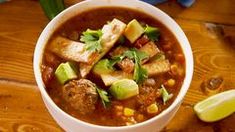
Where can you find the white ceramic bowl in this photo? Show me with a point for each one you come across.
(70, 123)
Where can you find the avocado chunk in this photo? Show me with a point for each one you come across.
(65, 72)
(103, 67)
(124, 89)
(133, 30)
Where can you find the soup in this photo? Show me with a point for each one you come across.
(113, 67)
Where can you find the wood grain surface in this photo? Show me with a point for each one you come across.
(208, 24)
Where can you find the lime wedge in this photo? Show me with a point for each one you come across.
(216, 107)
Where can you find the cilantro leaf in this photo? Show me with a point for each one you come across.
(153, 33)
(92, 39)
(104, 97)
(116, 59)
(140, 74)
(93, 46)
(140, 54)
(165, 95)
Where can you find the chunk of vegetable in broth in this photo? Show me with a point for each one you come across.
(124, 89)
(103, 67)
(133, 30)
(128, 112)
(152, 109)
(65, 72)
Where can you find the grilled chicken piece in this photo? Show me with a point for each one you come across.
(157, 67)
(81, 95)
(111, 34)
(71, 50)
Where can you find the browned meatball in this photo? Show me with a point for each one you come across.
(81, 95)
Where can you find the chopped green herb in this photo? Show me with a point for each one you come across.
(153, 33)
(165, 95)
(116, 59)
(140, 74)
(104, 97)
(130, 54)
(92, 39)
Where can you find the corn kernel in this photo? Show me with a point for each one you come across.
(170, 82)
(152, 109)
(128, 112)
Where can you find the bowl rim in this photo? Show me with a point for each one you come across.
(41, 43)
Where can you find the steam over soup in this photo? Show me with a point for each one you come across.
(113, 67)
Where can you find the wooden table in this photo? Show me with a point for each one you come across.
(208, 24)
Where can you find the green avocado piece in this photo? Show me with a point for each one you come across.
(103, 67)
(133, 30)
(124, 89)
(65, 72)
